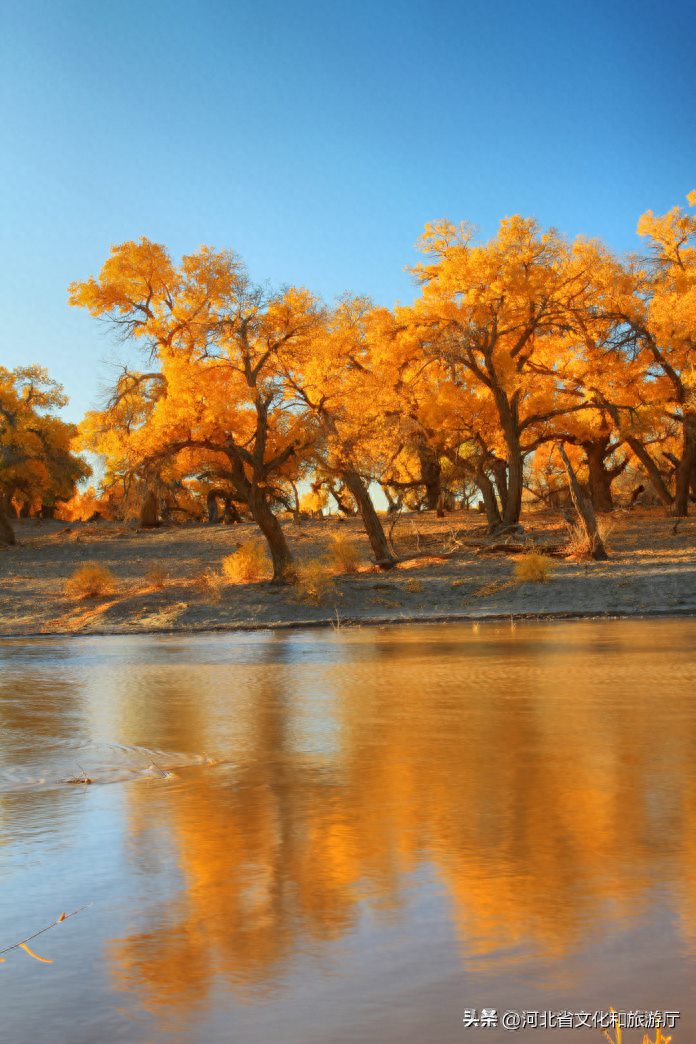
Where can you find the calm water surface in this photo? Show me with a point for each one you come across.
(348, 836)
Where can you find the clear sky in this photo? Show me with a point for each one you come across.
(317, 139)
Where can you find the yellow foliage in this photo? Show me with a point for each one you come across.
(37, 467)
(91, 580)
(533, 568)
(248, 564)
(313, 581)
(578, 544)
(209, 582)
(343, 553)
(314, 501)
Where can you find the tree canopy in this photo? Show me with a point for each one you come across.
(510, 348)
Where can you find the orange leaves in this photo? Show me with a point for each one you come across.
(36, 462)
(511, 342)
(43, 960)
(134, 281)
(217, 402)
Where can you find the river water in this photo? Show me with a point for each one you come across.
(350, 835)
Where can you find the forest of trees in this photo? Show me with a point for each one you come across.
(525, 363)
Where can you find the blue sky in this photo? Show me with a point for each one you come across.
(317, 139)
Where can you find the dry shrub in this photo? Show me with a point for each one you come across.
(313, 581)
(156, 575)
(209, 583)
(577, 544)
(344, 555)
(248, 564)
(533, 568)
(414, 586)
(91, 580)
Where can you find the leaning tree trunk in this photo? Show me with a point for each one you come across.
(653, 472)
(341, 503)
(686, 466)
(149, 511)
(584, 508)
(373, 527)
(7, 535)
(273, 532)
(490, 504)
(600, 477)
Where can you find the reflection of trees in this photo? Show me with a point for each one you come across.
(40, 715)
(548, 808)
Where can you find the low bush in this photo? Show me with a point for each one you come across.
(533, 568)
(343, 554)
(578, 546)
(249, 564)
(313, 581)
(209, 582)
(91, 580)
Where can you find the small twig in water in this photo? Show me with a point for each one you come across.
(22, 944)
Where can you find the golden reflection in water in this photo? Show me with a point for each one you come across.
(549, 788)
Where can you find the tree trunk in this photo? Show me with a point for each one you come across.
(600, 478)
(513, 508)
(211, 505)
(500, 477)
(653, 472)
(346, 509)
(509, 422)
(149, 511)
(273, 532)
(686, 466)
(584, 508)
(490, 504)
(431, 476)
(231, 514)
(7, 535)
(373, 526)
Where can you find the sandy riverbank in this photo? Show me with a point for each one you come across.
(651, 570)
